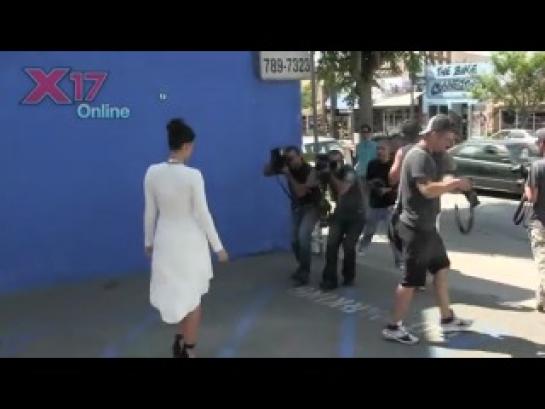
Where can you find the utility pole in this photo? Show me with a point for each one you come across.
(313, 85)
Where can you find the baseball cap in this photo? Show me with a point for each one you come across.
(411, 129)
(438, 123)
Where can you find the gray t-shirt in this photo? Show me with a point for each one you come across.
(536, 179)
(444, 161)
(418, 211)
(445, 164)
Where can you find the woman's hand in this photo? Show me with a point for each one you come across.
(223, 257)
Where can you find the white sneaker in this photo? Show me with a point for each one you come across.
(457, 325)
(400, 335)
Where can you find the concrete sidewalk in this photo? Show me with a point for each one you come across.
(252, 311)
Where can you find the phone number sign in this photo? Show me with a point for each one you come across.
(284, 65)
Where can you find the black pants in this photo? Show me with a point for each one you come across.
(343, 230)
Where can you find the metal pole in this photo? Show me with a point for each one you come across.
(313, 85)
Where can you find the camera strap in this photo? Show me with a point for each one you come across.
(464, 228)
(521, 212)
(284, 188)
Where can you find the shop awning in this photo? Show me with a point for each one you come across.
(401, 100)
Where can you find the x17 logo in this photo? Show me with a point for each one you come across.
(47, 84)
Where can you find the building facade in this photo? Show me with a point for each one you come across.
(79, 130)
(448, 89)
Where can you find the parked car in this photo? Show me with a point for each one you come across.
(325, 144)
(495, 165)
(514, 134)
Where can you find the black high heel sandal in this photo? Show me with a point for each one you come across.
(187, 347)
(177, 350)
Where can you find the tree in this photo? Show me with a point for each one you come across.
(330, 72)
(355, 72)
(306, 95)
(517, 81)
(413, 64)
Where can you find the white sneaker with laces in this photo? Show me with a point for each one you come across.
(400, 335)
(457, 325)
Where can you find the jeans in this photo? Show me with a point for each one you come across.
(304, 220)
(374, 217)
(365, 190)
(346, 231)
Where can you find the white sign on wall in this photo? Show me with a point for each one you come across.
(453, 80)
(284, 65)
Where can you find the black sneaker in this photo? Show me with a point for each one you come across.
(295, 274)
(300, 281)
(348, 282)
(300, 277)
(328, 286)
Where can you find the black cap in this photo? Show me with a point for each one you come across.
(411, 129)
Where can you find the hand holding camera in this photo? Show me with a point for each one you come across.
(464, 184)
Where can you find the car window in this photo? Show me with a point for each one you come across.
(468, 151)
(517, 134)
(322, 147)
(501, 134)
(495, 153)
(523, 152)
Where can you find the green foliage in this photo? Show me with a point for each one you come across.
(343, 71)
(306, 96)
(517, 81)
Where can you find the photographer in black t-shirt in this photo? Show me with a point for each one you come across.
(305, 198)
(382, 197)
(346, 222)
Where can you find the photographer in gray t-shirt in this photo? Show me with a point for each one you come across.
(421, 185)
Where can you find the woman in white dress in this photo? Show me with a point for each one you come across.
(178, 229)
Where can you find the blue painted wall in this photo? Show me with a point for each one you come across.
(72, 202)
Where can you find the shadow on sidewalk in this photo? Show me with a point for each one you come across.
(515, 347)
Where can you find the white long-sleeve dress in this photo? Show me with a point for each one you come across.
(178, 224)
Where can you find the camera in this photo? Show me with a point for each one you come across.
(323, 164)
(278, 160)
(522, 169)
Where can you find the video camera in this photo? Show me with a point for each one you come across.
(521, 212)
(522, 169)
(324, 165)
(278, 160)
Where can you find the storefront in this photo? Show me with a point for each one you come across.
(448, 89)
(391, 112)
(79, 130)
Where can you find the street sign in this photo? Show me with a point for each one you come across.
(285, 65)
